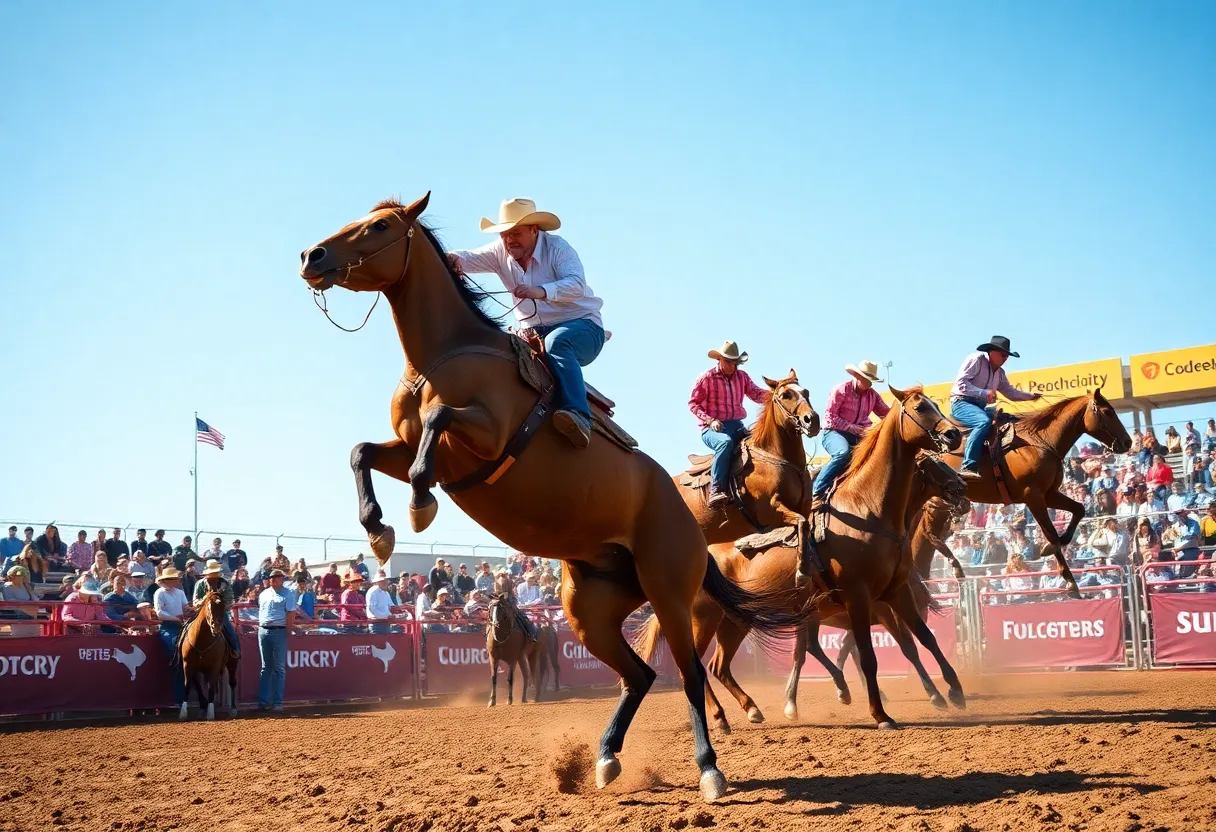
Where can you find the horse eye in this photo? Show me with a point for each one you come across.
(380, 225)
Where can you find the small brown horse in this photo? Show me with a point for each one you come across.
(864, 549)
(777, 482)
(463, 408)
(507, 642)
(1034, 465)
(205, 655)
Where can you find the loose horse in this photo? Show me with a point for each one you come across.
(465, 416)
(506, 642)
(776, 480)
(205, 655)
(1033, 466)
(863, 553)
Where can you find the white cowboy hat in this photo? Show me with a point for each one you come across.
(379, 576)
(213, 568)
(864, 369)
(729, 352)
(519, 211)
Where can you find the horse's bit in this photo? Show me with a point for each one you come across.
(354, 264)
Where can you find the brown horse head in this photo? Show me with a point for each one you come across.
(790, 405)
(502, 618)
(370, 254)
(942, 483)
(921, 423)
(213, 612)
(1103, 424)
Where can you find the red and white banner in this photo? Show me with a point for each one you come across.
(1184, 627)
(458, 662)
(580, 668)
(340, 666)
(891, 661)
(1064, 633)
(83, 673)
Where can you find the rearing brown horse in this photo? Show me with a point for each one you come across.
(776, 479)
(614, 517)
(1034, 464)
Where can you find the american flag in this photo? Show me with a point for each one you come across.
(208, 434)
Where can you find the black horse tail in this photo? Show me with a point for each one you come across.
(763, 610)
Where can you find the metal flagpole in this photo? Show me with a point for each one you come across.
(194, 473)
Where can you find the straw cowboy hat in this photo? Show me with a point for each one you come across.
(864, 369)
(518, 211)
(168, 574)
(379, 576)
(352, 577)
(999, 343)
(729, 352)
(213, 568)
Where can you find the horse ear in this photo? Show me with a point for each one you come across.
(793, 376)
(1098, 397)
(897, 393)
(414, 211)
(773, 385)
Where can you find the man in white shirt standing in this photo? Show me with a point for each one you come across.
(171, 607)
(379, 605)
(554, 301)
(528, 594)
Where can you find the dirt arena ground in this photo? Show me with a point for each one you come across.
(1077, 751)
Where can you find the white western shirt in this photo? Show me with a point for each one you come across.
(379, 603)
(169, 604)
(554, 267)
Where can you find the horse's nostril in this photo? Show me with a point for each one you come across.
(314, 255)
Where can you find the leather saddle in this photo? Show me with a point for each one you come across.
(699, 476)
(999, 440)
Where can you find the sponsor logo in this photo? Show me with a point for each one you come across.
(463, 655)
(131, 660)
(1150, 369)
(580, 656)
(1019, 631)
(312, 658)
(1186, 368)
(32, 665)
(385, 654)
(879, 638)
(1196, 622)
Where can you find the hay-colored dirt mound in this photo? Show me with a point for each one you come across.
(1077, 751)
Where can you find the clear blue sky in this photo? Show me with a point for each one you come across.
(823, 183)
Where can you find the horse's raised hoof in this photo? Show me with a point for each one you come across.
(382, 544)
(843, 696)
(939, 702)
(211, 711)
(607, 770)
(183, 712)
(722, 725)
(754, 716)
(1074, 592)
(888, 725)
(791, 710)
(713, 785)
(423, 515)
(958, 699)
(492, 704)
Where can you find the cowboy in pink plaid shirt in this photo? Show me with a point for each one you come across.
(717, 402)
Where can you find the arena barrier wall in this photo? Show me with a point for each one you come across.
(1181, 625)
(336, 666)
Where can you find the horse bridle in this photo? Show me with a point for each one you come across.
(1110, 446)
(496, 605)
(789, 414)
(354, 264)
(932, 433)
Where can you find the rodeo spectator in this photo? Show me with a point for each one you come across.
(184, 554)
(159, 550)
(306, 599)
(1207, 527)
(80, 553)
(262, 575)
(171, 607)
(1177, 496)
(359, 566)
(280, 561)
(528, 594)
(464, 581)
(116, 547)
(216, 553)
(99, 544)
(300, 573)
(1159, 477)
(83, 606)
(240, 582)
(120, 604)
(140, 543)
(137, 585)
(190, 578)
(236, 557)
(1107, 482)
(439, 574)
(477, 605)
(10, 546)
(1199, 497)
(352, 602)
(379, 604)
(50, 548)
(484, 580)
(1147, 546)
(139, 563)
(276, 617)
(331, 585)
(18, 588)
(1184, 535)
(424, 607)
(100, 570)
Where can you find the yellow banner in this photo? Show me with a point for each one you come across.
(1175, 371)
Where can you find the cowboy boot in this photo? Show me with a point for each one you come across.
(717, 498)
(574, 426)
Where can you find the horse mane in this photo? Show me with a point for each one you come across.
(865, 448)
(1038, 420)
(472, 294)
(765, 430)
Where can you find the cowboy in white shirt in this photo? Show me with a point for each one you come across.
(379, 604)
(554, 301)
(528, 593)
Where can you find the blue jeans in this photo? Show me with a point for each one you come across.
(571, 346)
(382, 628)
(979, 419)
(840, 446)
(169, 633)
(273, 678)
(230, 634)
(722, 443)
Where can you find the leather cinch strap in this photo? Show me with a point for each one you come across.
(493, 470)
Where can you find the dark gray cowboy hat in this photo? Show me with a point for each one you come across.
(999, 343)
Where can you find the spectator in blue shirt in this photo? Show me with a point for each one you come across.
(276, 617)
(10, 546)
(306, 599)
(1184, 532)
(120, 605)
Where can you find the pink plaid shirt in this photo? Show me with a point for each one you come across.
(80, 555)
(718, 396)
(849, 411)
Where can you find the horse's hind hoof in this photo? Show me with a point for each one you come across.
(939, 702)
(888, 725)
(382, 544)
(791, 711)
(422, 516)
(183, 712)
(754, 716)
(607, 770)
(723, 726)
(844, 697)
(713, 785)
(958, 699)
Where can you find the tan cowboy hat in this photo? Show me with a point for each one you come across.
(168, 574)
(729, 352)
(352, 577)
(213, 568)
(518, 211)
(864, 369)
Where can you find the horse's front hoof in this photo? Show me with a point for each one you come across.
(791, 711)
(713, 785)
(1074, 592)
(888, 724)
(723, 726)
(211, 712)
(382, 544)
(423, 515)
(754, 716)
(958, 699)
(182, 712)
(843, 696)
(939, 702)
(607, 770)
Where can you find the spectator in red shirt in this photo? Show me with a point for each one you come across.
(1159, 477)
(717, 402)
(331, 584)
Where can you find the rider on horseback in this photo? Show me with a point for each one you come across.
(717, 402)
(847, 418)
(214, 581)
(504, 591)
(974, 393)
(554, 301)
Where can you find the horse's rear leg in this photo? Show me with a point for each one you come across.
(706, 619)
(730, 637)
(511, 681)
(393, 458)
(1038, 508)
(525, 667)
(233, 669)
(202, 689)
(859, 607)
(903, 603)
(493, 681)
(907, 646)
(816, 651)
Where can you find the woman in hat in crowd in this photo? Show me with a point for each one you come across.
(846, 420)
(83, 605)
(214, 581)
(973, 397)
(18, 588)
(173, 609)
(352, 600)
